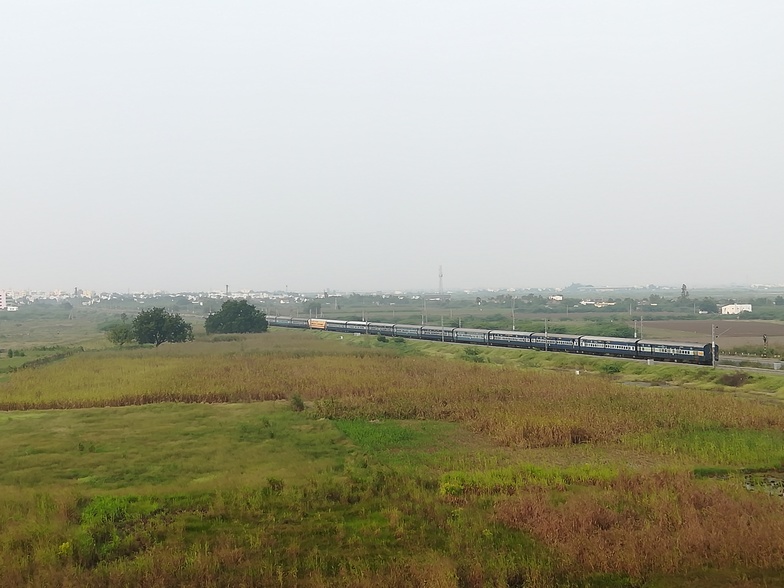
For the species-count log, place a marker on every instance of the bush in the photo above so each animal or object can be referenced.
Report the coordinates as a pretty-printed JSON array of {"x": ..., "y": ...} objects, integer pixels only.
[
  {"x": 473, "y": 354},
  {"x": 735, "y": 379},
  {"x": 297, "y": 403}
]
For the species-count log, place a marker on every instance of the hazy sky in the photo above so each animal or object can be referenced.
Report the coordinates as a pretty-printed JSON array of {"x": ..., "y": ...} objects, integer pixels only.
[{"x": 358, "y": 145}]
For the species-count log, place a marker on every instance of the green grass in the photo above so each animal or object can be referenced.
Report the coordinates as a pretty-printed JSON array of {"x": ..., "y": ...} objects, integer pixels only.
[
  {"x": 512, "y": 479},
  {"x": 33, "y": 356},
  {"x": 188, "y": 447},
  {"x": 390, "y": 435},
  {"x": 742, "y": 449}
]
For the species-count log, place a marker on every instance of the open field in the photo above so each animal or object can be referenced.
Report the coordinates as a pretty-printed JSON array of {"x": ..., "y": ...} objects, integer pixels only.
[
  {"x": 731, "y": 332},
  {"x": 306, "y": 459}
]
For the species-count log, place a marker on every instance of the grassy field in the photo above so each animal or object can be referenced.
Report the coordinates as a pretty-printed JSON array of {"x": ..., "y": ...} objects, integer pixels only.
[{"x": 304, "y": 459}]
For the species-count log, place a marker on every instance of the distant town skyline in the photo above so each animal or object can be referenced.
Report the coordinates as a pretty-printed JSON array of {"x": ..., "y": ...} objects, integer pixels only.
[{"x": 88, "y": 292}]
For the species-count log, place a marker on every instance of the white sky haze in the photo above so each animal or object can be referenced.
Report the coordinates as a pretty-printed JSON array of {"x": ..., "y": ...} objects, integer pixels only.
[{"x": 355, "y": 145}]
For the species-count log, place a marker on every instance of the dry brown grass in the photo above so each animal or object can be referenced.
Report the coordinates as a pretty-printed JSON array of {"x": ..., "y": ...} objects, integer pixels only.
[
  {"x": 658, "y": 523},
  {"x": 512, "y": 407}
]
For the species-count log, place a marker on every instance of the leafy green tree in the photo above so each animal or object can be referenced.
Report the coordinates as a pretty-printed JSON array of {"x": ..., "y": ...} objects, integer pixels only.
[
  {"x": 120, "y": 333},
  {"x": 157, "y": 326},
  {"x": 236, "y": 316}
]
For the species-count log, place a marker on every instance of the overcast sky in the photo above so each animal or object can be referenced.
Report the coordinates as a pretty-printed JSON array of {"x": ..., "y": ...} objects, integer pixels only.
[{"x": 358, "y": 145}]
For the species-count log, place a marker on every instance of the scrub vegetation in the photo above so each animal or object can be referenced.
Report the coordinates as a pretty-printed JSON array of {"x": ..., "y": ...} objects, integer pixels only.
[{"x": 303, "y": 459}]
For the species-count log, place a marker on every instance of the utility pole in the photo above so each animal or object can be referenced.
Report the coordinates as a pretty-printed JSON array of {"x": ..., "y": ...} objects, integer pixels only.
[
  {"x": 546, "y": 346},
  {"x": 513, "y": 313},
  {"x": 713, "y": 346}
]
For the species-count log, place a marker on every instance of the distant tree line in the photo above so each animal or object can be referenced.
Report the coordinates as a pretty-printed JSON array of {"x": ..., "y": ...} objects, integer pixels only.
[{"x": 157, "y": 325}]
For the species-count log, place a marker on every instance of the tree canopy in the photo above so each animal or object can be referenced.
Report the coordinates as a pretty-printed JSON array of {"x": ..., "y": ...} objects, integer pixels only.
[
  {"x": 157, "y": 326},
  {"x": 236, "y": 316},
  {"x": 120, "y": 333}
]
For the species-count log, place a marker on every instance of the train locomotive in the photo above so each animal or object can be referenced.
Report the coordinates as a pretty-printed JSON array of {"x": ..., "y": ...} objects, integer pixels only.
[{"x": 695, "y": 353}]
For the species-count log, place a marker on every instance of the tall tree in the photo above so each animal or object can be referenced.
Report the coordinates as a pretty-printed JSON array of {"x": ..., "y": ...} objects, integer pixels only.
[
  {"x": 236, "y": 316},
  {"x": 157, "y": 326}
]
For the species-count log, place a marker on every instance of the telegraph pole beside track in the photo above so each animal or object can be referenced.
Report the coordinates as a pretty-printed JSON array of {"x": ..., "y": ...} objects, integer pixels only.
[{"x": 546, "y": 347}]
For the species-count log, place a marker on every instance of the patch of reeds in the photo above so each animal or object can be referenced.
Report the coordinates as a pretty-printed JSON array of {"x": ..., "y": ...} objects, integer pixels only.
[
  {"x": 652, "y": 524},
  {"x": 512, "y": 407}
]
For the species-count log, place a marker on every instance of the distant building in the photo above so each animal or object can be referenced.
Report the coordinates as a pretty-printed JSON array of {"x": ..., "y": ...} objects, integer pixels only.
[
  {"x": 735, "y": 308},
  {"x": 3, "y": 300}
]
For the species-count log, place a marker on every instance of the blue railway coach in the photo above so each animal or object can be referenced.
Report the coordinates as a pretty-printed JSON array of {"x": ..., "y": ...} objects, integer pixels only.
[{"x": 588, "y": 344}]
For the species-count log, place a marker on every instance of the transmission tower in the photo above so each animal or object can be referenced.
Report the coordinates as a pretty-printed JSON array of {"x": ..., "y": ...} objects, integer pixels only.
[{"x": 440, "y": 280}]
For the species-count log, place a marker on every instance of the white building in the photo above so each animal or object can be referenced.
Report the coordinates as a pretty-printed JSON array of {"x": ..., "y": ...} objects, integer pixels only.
[
  {"x": 735, "y": 308},
  {"x": 3, "y": 300}
]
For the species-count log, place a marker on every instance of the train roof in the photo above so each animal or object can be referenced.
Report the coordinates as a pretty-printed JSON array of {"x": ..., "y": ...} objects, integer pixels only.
[
  {"x": 557, "y": 335},
  {"x": 512, "y": 333},
  {"x": 612, "y": 339},
  {"x": 472, "y": 330},
  {"x": 672, "y": 343}
]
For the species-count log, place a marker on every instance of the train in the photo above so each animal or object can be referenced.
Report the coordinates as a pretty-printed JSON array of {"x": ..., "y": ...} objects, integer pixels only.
[{"x": 694, "y": 353}]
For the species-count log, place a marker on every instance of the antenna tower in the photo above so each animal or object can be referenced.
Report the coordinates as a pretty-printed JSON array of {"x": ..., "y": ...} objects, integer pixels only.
[{"x": 440, "y": 280}]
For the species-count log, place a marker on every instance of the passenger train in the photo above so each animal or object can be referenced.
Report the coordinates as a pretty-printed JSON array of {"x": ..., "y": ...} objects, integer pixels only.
[{"x": 586, "y": 344}]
